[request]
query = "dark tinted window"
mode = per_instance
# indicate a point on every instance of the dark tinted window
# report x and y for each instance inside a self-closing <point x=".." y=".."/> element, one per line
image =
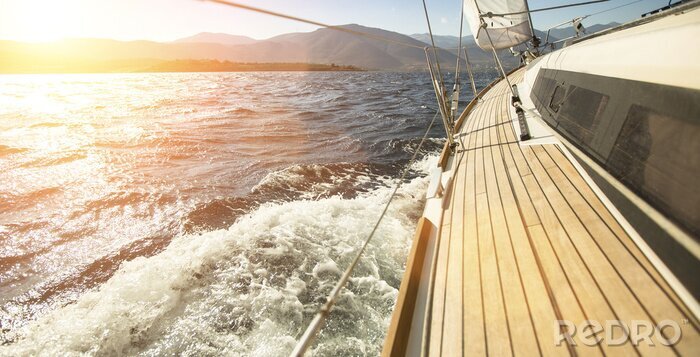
<point x="580" y="112"/>
<point x="558" y="98"/>
<point x="543" y="88"/>
<point x="583" y="106"/>
<point x="658" y="156"/>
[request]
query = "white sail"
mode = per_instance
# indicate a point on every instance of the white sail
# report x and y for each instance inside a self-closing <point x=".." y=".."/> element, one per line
<point x="505" y="31"/>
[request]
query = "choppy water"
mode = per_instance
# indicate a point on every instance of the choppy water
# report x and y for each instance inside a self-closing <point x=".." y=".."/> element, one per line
<point x="204" y="213"/>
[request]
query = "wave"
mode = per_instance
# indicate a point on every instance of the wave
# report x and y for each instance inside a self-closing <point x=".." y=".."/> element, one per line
<point x="58" y="160"/>
<point x="47" y="125"/>
<point x="15" y="201"/>
<point x="250" y="289"/>
<point x="296" y="182"/>
<point x="8" y="150"/>
<point x="241" y="111"/>
<point x="165" y="161"/>
<point x="312" y="181"/>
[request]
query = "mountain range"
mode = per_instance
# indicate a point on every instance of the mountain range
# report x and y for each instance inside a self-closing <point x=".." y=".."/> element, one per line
<point x="322" y="46"/>
<point x="221" y="38"/>
<point x="554" y="35"/>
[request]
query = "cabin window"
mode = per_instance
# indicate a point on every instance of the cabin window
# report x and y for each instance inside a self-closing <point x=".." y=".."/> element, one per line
<point x="543" y="86"/>
<point x="558" y="98"/>
<point x="583" y="106"/>
<point x="658" y="156"/>
<point x="580" y="112"/>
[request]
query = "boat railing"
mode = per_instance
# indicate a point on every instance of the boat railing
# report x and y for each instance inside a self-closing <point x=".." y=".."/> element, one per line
<point x="577" y="25"/>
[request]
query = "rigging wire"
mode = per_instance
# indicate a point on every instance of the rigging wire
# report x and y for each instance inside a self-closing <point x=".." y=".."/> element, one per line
<point x="484" y="25"/>
<point x="587" y="16"/>
<point x="310" y="333"/>
<point x="490" y="14"/>
<point x="307" y="338"/>
<point x="613" y="8"/>
<point x="496" y="58"/>
<point x="456" y="88"/>
<point x="459" y="47"/>
<point x="440" y="100"/>
<point x="437" y="60"/>
<point x="312" y="329"/>
<point x="316" y="23"/>
<point x="469" y="71"/>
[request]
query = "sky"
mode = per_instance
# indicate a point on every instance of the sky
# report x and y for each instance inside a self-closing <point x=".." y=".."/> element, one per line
<point x="167" y="20"/>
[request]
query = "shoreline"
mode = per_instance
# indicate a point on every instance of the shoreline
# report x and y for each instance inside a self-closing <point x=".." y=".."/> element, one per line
<point x="174" y="66"/>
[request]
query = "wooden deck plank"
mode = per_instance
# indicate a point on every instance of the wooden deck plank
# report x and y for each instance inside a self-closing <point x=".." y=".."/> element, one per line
<point x="622" y="282"/>
<point x="598" y="273"/>
<point x="569" y="307"/>
<point x="480" y="183"/>
<point x="515" y="303"/>
<point x="437" y="313"/>
<point x="583" y="283"/>
<point x="530" y="196"/>
<point x="527" y="210"/>
<point x="453" y="322"/>
<point x="437" y="325"/>
<point x="526" y="242"/>
<point x="473" y="313"/>
<point x="539" y="298"/>
<point x="518" y="155"/>
<point x="498" y="337"/>
<point x="651" y="297"/>
<point x="497" y="334"/>
<point x="556" y="270"/>
<point x="571" y="175"/>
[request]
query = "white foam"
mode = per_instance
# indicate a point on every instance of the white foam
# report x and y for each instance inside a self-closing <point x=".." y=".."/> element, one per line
<point x="250" y="289"/>
<point x="326" y="268"/>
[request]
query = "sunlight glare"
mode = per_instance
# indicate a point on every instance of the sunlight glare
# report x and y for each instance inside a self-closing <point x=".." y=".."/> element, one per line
<point x="42" y="21"/>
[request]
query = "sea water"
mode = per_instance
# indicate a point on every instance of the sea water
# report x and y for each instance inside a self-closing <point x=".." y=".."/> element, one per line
<point x="205" y="213"/>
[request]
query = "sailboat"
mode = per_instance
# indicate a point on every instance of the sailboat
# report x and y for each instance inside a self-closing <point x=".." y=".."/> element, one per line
<point x="564" y="215"/>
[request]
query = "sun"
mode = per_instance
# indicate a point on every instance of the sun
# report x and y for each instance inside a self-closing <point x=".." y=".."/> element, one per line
<point x="40" y="21"/>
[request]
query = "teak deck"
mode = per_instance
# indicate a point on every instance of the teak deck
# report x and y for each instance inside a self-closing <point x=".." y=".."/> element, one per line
<point x="525" y="242"/>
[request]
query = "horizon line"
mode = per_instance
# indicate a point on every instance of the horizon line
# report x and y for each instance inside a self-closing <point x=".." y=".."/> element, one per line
<point x="229" y="34"/>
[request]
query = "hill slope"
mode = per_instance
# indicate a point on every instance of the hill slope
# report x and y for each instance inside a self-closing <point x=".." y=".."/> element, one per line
<point x="221" y="38"/>
<point x="323" y="46"/>
<point x="567" y="32"/>
<point x="330" y="46"/>
<point x="444" y="41"/>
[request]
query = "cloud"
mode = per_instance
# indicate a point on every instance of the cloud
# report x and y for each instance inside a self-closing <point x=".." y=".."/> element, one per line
<point x="443" y="20"/>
